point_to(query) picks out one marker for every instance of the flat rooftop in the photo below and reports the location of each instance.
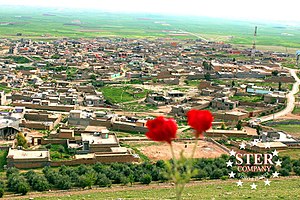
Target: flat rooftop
(21, 154)
(96, 139)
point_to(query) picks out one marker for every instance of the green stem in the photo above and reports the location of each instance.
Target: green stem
(175, 172)
(194, 148)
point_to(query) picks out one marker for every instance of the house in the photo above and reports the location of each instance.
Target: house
(28, 159)
(224, 103)
(275, 97)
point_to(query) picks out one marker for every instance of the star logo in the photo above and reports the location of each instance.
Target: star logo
(229, 163)
(232, 153)
(243, 146)
(239, 183)
(254, 143)
(267, 182)
(275, 153)
(267, 145)
(231, 174)
(253, 186)
(278, 163)
(275, 174)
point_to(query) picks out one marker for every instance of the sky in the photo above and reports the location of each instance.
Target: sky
(286, 10)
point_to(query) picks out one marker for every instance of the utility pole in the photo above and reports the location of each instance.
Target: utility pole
(254, 43)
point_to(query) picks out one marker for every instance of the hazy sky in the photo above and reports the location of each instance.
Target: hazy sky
(246, 9)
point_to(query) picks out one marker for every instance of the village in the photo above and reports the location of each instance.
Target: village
(71, 102)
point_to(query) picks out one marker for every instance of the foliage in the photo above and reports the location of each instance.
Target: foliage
(1, 192)
(239, 125)
(146, 179)
(21, 140)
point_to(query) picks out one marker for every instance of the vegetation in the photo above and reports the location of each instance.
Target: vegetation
(21, 140)
(291, 128)
(3, 155)
(93, 24)
(5, 89)
(59, 152)
(252, 99)
(122, 94)
(19, 59)
(103, 175)
(218, 190)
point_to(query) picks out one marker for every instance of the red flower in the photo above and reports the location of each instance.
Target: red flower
(200, 120)
(161, 129)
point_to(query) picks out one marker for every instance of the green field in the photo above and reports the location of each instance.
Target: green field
(252, 99)
(50, 23)
(292, 153)
(278, 189)
(293, 129)
(122, 94)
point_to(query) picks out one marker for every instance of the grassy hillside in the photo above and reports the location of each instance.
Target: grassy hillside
(49, 23)
(279, 189)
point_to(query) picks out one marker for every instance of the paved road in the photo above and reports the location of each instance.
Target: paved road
(290, 100)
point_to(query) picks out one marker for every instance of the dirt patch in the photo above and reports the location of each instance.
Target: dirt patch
(162, 151)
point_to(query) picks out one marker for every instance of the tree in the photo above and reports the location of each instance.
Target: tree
(201, 174)
(48, 146)
(39, 183)
(275, 73)
(216, 174)
(146, 179)
(21, 140)
(1, 192)
(11, 171)
(232, 83)
(239, 125)
(61, 150)
(207, 76)
(103, 181)
(223, 126)
(258, 129)
(279, 86)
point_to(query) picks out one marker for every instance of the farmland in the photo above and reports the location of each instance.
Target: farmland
(49, 24)
(289, 189)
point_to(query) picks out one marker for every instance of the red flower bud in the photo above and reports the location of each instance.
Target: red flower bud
(161, 129)
(200, 120)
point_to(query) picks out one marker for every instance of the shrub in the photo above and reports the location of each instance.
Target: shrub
(297, 171)
(284, 172)
(1, 192)
(39, 183)
(11, 171)
(22, 187)
(63, 182)
(216, 174)
(201, 174)
(103, 181)
(124, 180)
(146, 179)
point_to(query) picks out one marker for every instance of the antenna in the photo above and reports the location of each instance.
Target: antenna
(254, 43)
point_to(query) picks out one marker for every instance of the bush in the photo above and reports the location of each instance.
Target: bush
(146, 179)
(124, 180)
(297, 171)
(63, 182)
(103, 181)
(23, 187)
(39, 183)
(284, 172)
(1, 192)
(216, 174)
(201, 174)
(11, 171)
